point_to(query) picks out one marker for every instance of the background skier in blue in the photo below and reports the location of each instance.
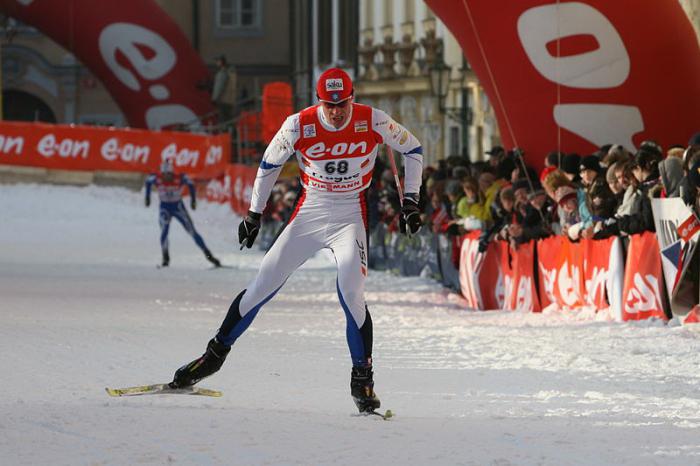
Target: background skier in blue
(170, 187)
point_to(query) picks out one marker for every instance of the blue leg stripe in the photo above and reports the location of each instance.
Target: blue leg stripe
(352, 331)
(245, 322)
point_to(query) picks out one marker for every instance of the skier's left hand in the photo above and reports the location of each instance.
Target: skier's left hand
(410, 221)
(193, 204)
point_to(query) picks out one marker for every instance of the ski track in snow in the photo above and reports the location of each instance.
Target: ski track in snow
(82, 306)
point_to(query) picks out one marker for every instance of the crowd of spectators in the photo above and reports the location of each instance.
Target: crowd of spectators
(594, 196)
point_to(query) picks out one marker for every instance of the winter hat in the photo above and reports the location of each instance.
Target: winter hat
(564, 193)
(590, 162)
(570, 164)
(334, 85)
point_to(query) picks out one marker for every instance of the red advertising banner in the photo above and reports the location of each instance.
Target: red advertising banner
(517, 266)
(595, 269)
(561, 272)
(70, 147)
(241, 179)
(585, 71)
(479, 274)
(643, 279)
(140, 54)
(276, 107)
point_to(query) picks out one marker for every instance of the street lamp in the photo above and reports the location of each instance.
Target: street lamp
(439, 86)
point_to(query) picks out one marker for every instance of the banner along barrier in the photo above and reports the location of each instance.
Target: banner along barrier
(75, 147)
(590, 274)
(643, 279)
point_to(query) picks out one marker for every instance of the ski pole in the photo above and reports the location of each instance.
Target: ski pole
(399, 189)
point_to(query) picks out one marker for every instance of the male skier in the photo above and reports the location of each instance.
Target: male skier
(170, 187)
(336, 145)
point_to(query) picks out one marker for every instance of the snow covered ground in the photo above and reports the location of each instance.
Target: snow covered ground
(82, 307)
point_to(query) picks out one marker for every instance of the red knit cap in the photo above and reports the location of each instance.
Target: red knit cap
(334, 85)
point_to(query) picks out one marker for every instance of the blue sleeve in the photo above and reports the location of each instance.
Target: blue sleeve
(149, 183)
(193, 192)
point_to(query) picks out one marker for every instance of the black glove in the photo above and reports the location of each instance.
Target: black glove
(193, 204)
(410, 216)
(248, 229)
(483, 245)
(148, 201)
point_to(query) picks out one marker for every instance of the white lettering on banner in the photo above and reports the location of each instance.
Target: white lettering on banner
(182, 157)
(601, 123)
(48, 147)
(123, 38)
(342, 148)
(111, 150)
(569, 284)
(645, 296)
(468, 274)
(523, 298)
(549, 277)
(159, 116)
(500, 291)
(218, 191)
(596, 284)
(607, 66)
(238, 188)
(9, 143)
(214, 155)
(507, 292)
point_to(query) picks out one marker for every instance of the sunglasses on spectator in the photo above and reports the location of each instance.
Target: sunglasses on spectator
(342, 104)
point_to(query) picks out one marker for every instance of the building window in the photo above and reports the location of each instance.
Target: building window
(238, 14)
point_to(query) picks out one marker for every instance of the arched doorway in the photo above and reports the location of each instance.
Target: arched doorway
(23, 106)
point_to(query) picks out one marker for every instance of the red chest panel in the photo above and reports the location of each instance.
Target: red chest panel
(355, 140)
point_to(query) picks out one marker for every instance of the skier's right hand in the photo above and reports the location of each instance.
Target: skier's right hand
(248, 229)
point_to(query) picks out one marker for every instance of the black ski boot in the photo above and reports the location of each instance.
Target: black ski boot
(166, 259)
(210, 257)
(204, 366)
(362, 389)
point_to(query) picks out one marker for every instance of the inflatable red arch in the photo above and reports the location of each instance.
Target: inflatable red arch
(571, 75)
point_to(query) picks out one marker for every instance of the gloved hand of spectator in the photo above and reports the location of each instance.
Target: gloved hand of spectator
(193, 204)
(410, 221)
(248, 229)
(483, 245)
(148, 201)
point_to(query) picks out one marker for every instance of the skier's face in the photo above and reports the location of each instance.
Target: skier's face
(337, 114)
